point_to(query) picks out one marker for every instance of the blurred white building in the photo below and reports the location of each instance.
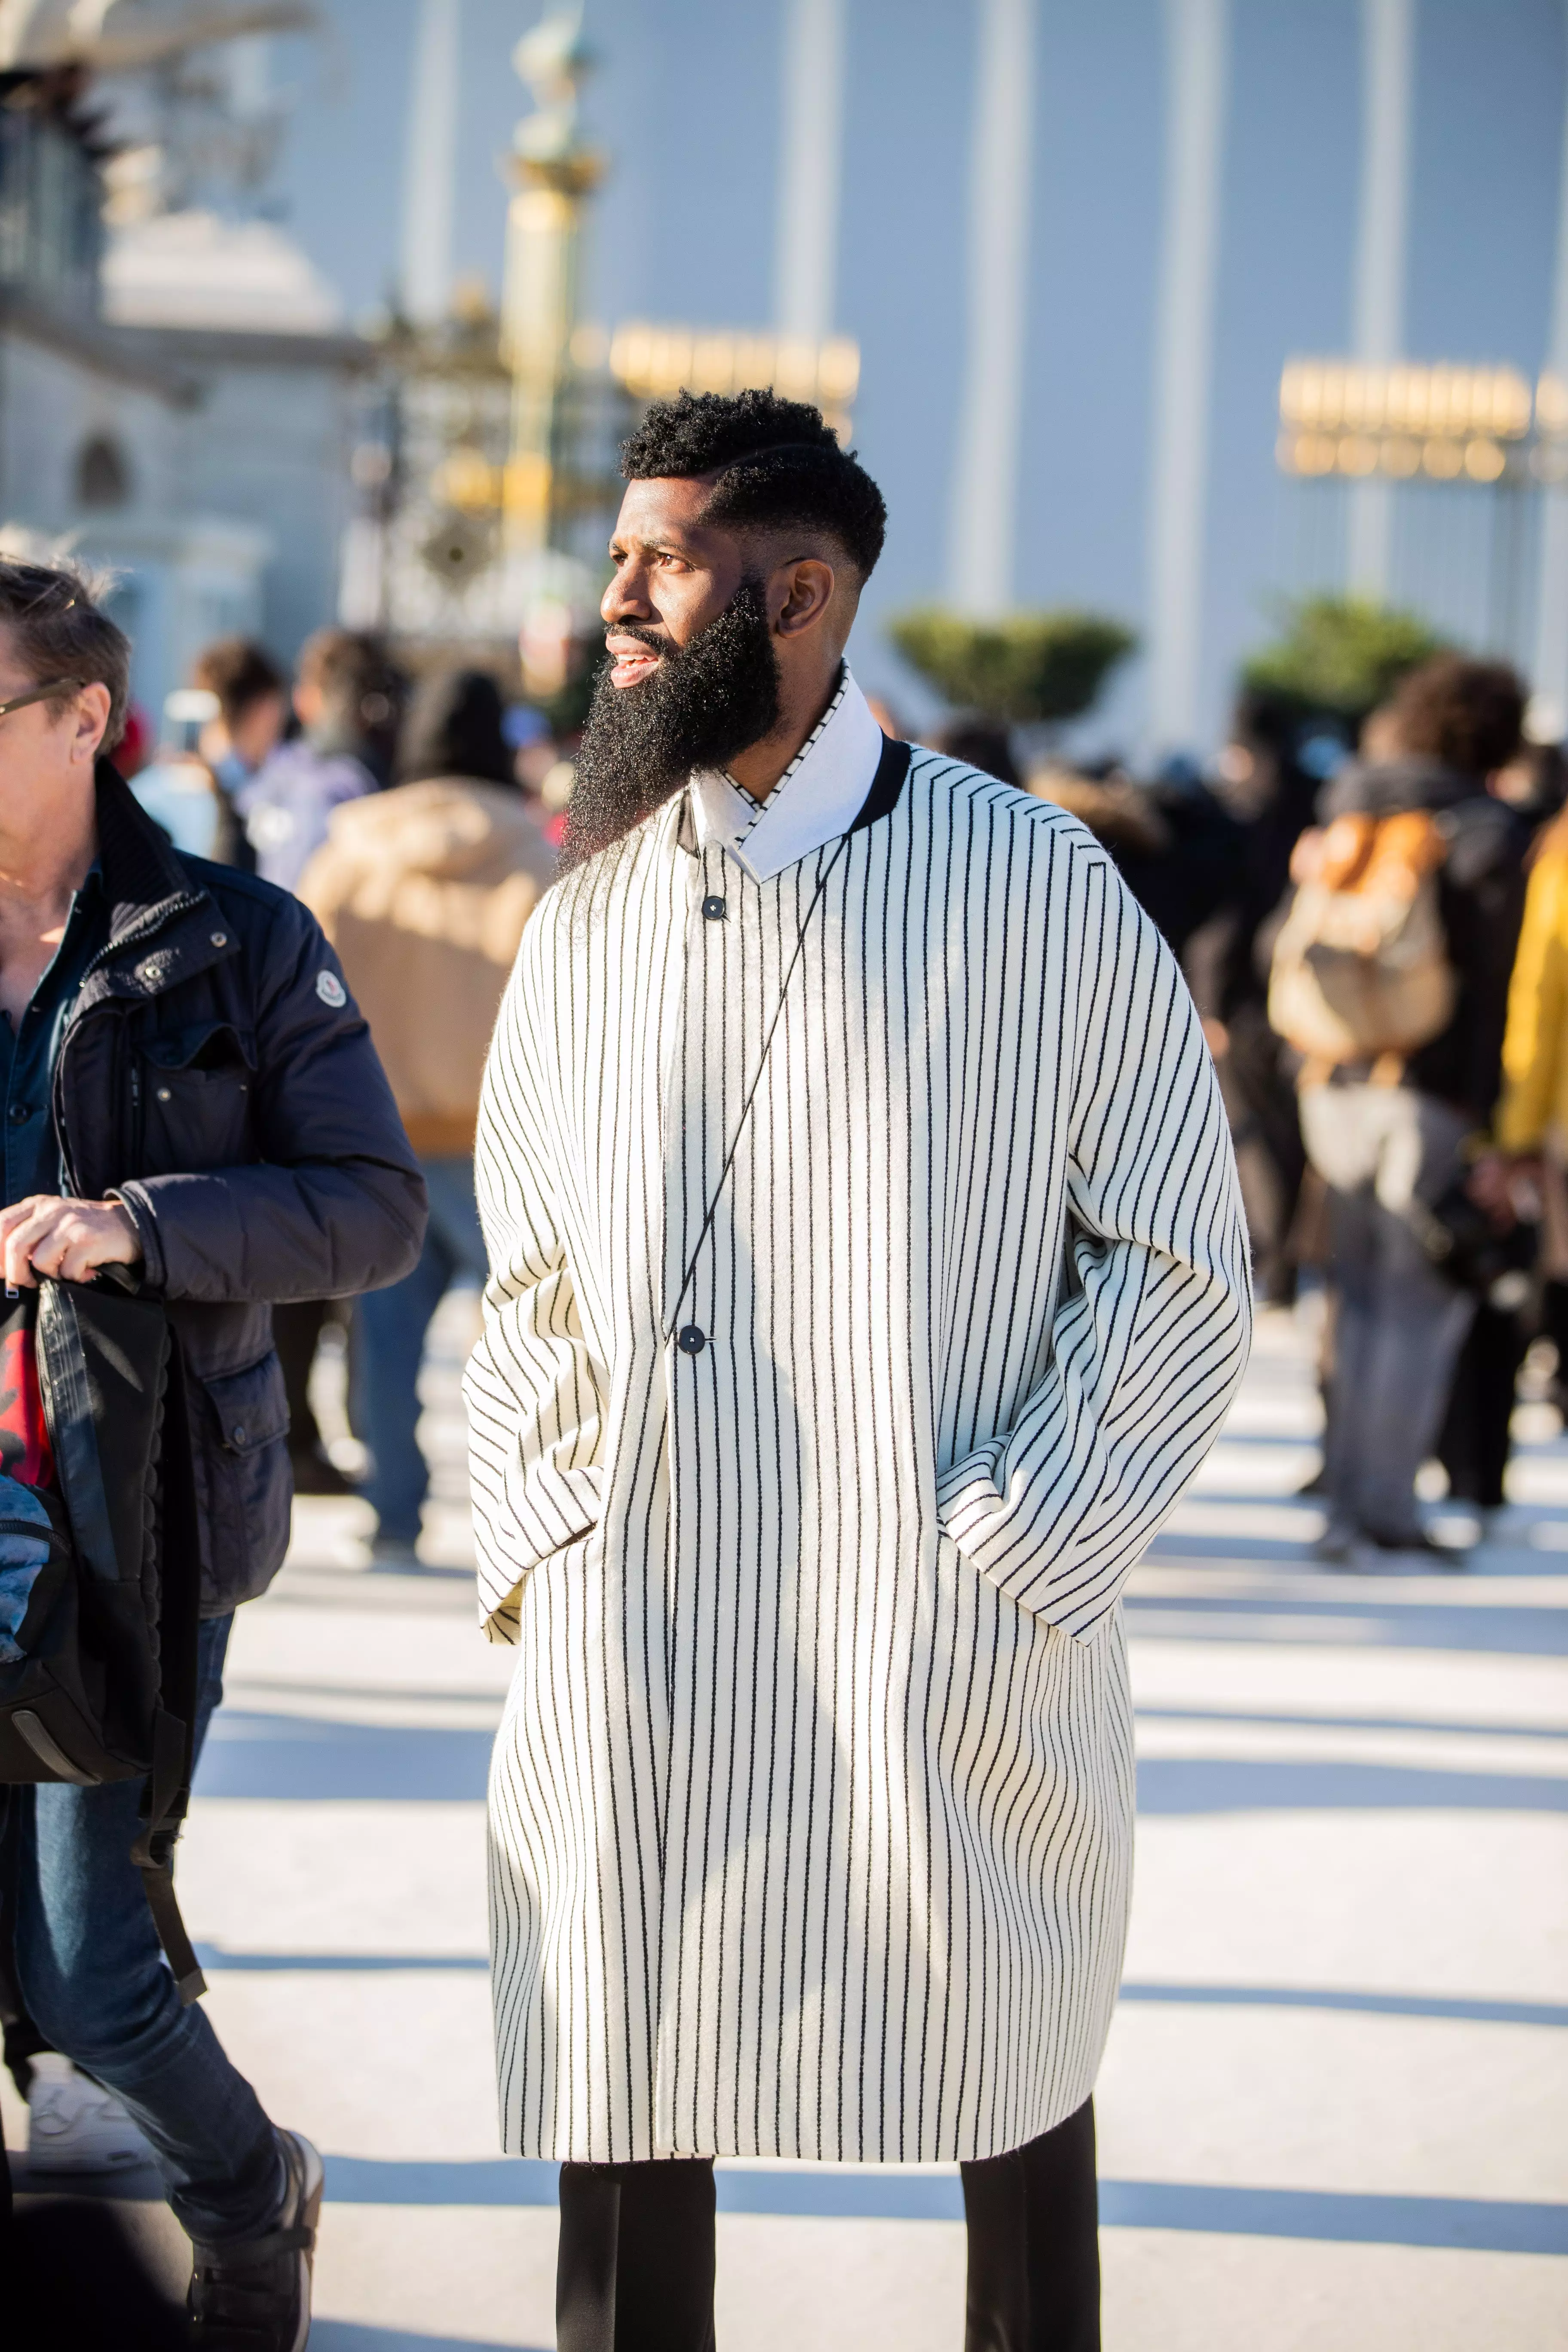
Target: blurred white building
(177, 384)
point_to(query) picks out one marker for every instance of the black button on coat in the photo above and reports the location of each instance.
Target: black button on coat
(238, 1109)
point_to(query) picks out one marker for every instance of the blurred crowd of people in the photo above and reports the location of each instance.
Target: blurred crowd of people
(418, 819)
(1414, 1181)
(1373, 920)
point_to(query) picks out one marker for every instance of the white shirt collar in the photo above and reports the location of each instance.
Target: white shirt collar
(819, 795)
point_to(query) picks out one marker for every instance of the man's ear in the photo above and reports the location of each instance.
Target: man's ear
(804, 591)
(88, 720)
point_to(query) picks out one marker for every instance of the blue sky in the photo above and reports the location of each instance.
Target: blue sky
(687, 105)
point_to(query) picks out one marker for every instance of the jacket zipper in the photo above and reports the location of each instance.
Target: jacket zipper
(136, 1136)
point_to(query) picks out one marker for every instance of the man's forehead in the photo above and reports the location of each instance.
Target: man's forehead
(665, 506)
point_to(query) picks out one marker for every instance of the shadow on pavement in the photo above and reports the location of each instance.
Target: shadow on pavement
(303, 1759)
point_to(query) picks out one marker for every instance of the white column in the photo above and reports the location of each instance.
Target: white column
(1550, 679)
(430, 167)
(811, 144)
(986, 474)
(1377, 322)
(1197, 36)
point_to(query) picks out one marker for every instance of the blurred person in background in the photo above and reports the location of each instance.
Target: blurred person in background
(1268, 779)
(347, 698)
(1476, 1439)
(978, 742)
(252, 697)
(217, 732)
(1534, 782)
(1530, 1133)
(175, 786)
(135, 748)
(1388, 1131)
(424, 891)
(1173, 844)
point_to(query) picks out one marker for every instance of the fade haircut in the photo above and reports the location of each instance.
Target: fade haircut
(778, 463)
(54, 615)
(1467, 714)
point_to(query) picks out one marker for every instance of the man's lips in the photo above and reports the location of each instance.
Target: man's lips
(629, 660)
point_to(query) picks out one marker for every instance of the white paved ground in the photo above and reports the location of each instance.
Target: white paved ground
(1332, 2113)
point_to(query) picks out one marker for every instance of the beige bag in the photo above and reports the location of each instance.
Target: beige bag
(1361, 965)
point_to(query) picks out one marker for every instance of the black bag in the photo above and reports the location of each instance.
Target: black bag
(97, 1654)
(1463, 1242)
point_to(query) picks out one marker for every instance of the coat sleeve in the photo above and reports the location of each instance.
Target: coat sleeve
(1535, 1040)
(335, 1203)
(1152, 1329)
(535, 1391)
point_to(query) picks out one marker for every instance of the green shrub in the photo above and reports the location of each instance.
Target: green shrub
(1031, 669)
(1339, 653)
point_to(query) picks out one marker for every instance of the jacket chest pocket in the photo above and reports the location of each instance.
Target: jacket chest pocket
(195, 1093)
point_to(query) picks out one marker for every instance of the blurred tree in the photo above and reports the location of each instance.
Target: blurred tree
(1339, 653)
(1030, 669)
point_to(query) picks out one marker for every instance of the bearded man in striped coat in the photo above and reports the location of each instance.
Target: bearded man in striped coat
(867, 1279)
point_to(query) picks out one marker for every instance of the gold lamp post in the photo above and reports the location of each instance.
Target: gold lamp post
(555, 170)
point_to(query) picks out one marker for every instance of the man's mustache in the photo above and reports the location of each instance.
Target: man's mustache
(653, 639)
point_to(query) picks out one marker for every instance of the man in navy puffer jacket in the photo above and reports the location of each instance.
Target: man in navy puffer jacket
(191, 1100)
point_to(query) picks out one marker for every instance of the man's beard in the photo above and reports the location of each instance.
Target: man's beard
(705, 702)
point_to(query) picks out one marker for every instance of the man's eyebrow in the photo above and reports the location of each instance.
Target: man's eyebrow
(645, 546)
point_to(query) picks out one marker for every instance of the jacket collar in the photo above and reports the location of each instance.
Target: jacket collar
(818, 797)
(162, 924)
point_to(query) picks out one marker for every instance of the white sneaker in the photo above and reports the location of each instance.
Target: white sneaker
(75, 2125)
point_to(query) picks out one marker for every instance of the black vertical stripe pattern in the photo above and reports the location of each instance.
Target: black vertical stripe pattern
(811, 1812)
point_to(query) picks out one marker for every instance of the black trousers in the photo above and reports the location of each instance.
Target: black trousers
(636, 2268)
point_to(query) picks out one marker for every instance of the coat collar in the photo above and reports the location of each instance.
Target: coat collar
(818, 797)
(162, 924)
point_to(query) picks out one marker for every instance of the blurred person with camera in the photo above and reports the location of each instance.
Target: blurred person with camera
(1390, 981)
(193, 1107)
(423, 891)
(867, 1279)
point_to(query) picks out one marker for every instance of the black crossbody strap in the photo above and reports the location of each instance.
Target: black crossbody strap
(168, 1790)
(886, 785)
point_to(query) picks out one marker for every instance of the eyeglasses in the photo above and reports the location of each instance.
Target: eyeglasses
(38, 693)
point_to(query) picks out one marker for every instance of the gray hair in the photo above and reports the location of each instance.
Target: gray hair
(54, 615)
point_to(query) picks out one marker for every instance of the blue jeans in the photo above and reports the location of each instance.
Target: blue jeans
(1400, 1323)
(393, 1324)
(93, 1975)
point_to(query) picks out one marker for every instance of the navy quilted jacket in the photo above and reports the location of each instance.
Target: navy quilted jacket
(216, 1077)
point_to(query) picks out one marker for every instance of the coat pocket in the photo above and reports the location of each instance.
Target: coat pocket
(196, 1090)
(248, 1485)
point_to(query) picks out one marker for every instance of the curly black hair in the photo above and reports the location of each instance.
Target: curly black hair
(1467, 714)
(778, 462)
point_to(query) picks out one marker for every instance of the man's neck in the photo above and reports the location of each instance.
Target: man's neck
(43, 866)
(758, 768)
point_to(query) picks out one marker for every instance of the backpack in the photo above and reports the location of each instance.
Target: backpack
(1360, 964)
(99, 1569)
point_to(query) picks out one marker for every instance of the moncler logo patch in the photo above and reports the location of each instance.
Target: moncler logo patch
(331, 989)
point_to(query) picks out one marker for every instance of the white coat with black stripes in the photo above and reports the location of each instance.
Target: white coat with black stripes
(867, 1280)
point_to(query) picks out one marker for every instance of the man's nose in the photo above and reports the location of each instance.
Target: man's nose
(625, 598)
